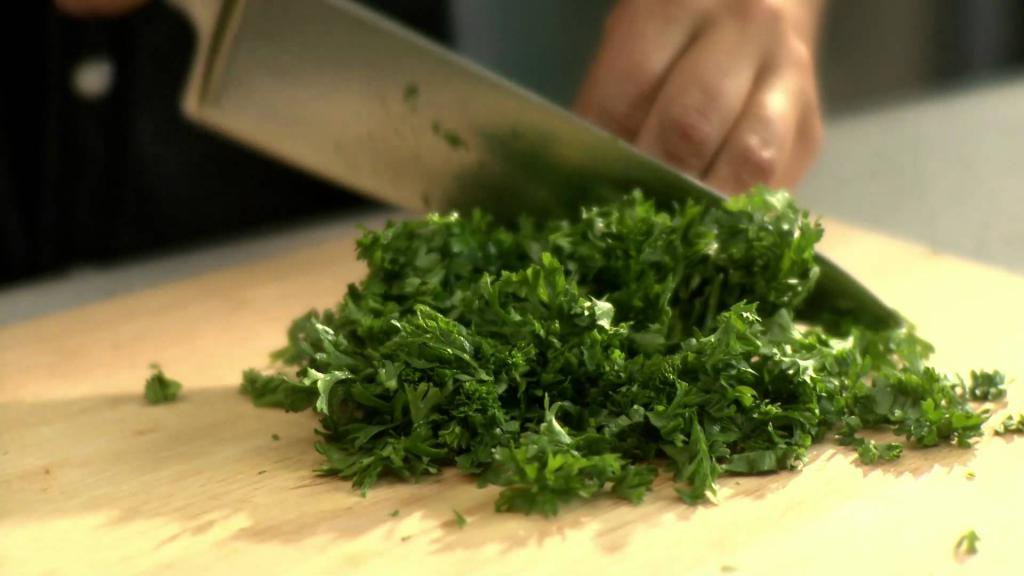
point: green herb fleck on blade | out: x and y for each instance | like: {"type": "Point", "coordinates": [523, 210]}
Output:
{"type": "Point", "coordinates": [411, 94]}
{"type": "Point", "coordinates": [460, 520]}
{"type": "Point", "coordinates": [275, 437]}
{"type": "Point", "coordinates": [450, 137]}
{"type": "Point", "coordinates": [394, 513]}
{"type": "Point", "coordinates": [967, 543]}
{"type": "Point", "coordinates": [970, 474]}
{"type": "Point", "coordinates": [159, 388]}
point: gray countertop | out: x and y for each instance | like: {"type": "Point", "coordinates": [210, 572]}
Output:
{"type": "Point", "coordinates": [947, 172]}
{"type": "Point", "coordinates": [944, 171]}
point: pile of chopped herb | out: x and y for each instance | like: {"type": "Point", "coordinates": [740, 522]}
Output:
{"type": "Point", "coordinates": [564, 359]}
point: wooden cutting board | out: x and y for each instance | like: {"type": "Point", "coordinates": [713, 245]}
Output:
{"type": "Point", "coordinates": [93, 480]}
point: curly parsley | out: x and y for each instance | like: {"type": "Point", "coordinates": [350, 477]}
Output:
{"type": "Point", "coordinates": [967, 543]}
{"type": "Point", "coordinates": [1011, 425]}
{"type": "Point", "coordinates": [565, 359]}
{"type": "Point", "coordinates": [159, 388]}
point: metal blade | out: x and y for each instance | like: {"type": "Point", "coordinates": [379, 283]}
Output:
{"type": "Point", "coordinates": [339, 91]}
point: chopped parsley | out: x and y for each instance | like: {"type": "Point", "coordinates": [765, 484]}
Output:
{"type": "Point", "coordinates": [1011, 425]}
{"type": "Point", "coordinates": [987, 386]}
{"type": "Point", "coordinates": [159, 388]}
{"type": "Point", "coordinates": [968, 543]}
{"type": "Point", "coordinates": [565, 359]}
{"type": "Point", "coordinates": [411, 93]}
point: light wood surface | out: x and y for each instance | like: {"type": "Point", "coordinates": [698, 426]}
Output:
{"type": "Point", "coordinates": [93, 480]}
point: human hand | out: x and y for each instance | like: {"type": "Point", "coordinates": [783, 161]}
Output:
{"type": "Point", "coordinates": [724, 90]}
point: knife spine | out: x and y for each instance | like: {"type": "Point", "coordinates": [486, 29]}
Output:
{"type": "Point", "coordinates": [221, 41]}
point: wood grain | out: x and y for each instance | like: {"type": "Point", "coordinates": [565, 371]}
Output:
{"type": "Point", "coordinates": [92, 480]}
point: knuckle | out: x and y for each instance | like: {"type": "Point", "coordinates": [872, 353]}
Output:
{"type": "Point", "coordinates": [687, 136]}
{"type": "Point", "coordinates": [756, 162]}
{"type": "Point", "coordinates": [623, 120]}
{"type": "Point", "coordinates": [798, 53]}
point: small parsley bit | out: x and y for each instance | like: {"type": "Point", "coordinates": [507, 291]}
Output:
{"type": "Point", "coordinates": [968, 543]}
{"type": "Point", "coordinates": [159, 388]}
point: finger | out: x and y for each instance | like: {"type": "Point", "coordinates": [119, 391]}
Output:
{"type": "Point", "coordinates": [641, 39]}
{"type": "Point", "coordinates": [758, 146]}
{"type": "Point", "coordinates": [806, 144]}
{"type": "Point", "coordinates": [702, 97]}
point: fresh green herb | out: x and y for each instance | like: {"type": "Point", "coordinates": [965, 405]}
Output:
{"type": "Point", "coordinates": [564, 359]}
{"type": "Point", "coordinates": [411, 93]}
{"type": "Point", "coordinates": [394, 513]}
{"type": "Point", "coordinates": [160, 388]}
{"type": "Point", "coordinates": [987, 386]}
{"type": "Point", "coordinates": [967, 543]}
{"type": "Point", "coordinates": [460, 520]}
{"type": "Point", "coordinates": [450, 137]}
{"type": "Point", "coordinates": [275, 437]}
{"type": "Point", "coordinates": [869, 451]}
{"type": "Point", "coordinates": [1011, 425]}
{"type": "Point", "coordinates": [971, 475]}
{"type": "Point", "coordinates": [277, 391]}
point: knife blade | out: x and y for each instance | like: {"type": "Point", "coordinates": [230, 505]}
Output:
{"type": "Point", "coordinates": [346, 94]}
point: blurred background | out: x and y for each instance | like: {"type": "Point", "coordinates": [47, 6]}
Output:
{"type": "Point", "coordinates": [924, 102]}
{"type": "Point", "coordinates": [872, 51]}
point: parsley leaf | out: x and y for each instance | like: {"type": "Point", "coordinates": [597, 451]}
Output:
{"type": "Point", "coordinates": [278, 391]}
{"type": "Point", "coordinates": [159, 388]}
{"type": "Point", "coordinates": [987, 386]}
{"type": "Point", "coordinates": [968, 543]}
{"type": "Point", "coordinates": [1011, 425]}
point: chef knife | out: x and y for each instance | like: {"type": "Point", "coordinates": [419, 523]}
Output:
{"type": "Point", "coordinates": [344, 93]}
